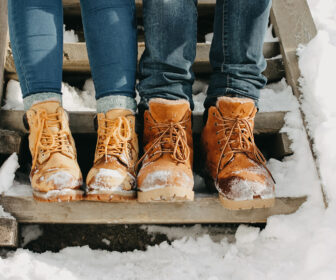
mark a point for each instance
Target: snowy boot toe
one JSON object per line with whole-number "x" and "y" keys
{"x": 55, "y": 174}
{"x": 233, "y": 161}
{"x": 166, "y": 172}
{"x": 112, "y": 177}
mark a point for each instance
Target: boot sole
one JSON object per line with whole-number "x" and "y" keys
{"x": 111, "y": 197}
{"x": 166, "y": 194}
{"x": 58, "y": 196}
{"x": 246, "y": 204}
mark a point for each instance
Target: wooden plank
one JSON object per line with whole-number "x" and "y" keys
{"x": 8, "y": 232}
{"x": 205, "y": 209}
{"x": 294, "y": 25}
{"x": 82, "y": 122}
{"x": 75, "y": 59}
{"x": 3, "y": 42}
{"x": 10, "y": 141}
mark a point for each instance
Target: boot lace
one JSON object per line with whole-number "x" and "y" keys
{"x": 113, "y": 139}
{"x": 48, "y": 141}
{"x": 238, "y": 136}
{"x": 171, "y": 138}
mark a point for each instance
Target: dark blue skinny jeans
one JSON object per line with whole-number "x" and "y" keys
{"x": 36, "y": 33}
{"x": 236, "y": 54}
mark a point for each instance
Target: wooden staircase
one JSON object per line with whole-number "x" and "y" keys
{"x": 206, "y": 207}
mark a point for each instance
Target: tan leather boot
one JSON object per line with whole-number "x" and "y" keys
{"x": 233, "y": 160}
{"x": 55, "y": 174}
{"x": 166, "y": 172}
{"x": 112, "y": 177}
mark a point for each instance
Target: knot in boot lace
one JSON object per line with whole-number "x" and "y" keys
{"x": 113, "y": 139}
{"x": 171, "y": 138}
{"x": 237, "y": 138}
{"x": 51, "y": 138}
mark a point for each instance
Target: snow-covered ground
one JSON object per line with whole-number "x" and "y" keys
{"x": 297, "y": 246}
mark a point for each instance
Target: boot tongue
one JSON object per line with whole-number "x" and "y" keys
{"x": 163, "y": 110}
{"x": 115, "y": 113}
{"x": 234, "y": 107}
{"x": 49, "y": 106}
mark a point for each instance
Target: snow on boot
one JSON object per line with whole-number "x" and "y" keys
{"x": 166, "y": 172}
{"x": 112, "y": 177}
{"x": 55, "y": 174}
{"x": 233, "y": 160}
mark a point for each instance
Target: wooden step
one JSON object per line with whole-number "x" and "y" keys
{"x": 204, "y": 209}
{"x": 10, "y": 141}
{"x": 8, "y": 232}
{"x": 83, "y": 122}
{"x": 75, "y": 59}
{"x": 270, "y": 140}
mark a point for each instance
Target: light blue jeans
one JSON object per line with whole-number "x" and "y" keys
{"x": 236, "y": 54}
{"x": 36, "y": 34}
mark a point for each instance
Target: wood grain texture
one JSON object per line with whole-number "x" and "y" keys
{"x": 83, "y": 122}
{"x": 294, "y": 25}
{"x": 10, "y": 141}
{"x": 205, "y": 209}
{"x": 8, "y": 232}
{"x": 75, "y": 59}
{"x": 3, "y": 42}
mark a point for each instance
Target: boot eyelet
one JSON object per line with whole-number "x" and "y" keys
{"x": 217, "y": 132}
{"x": 218, "y": 142}
{"x": 216, "y": 123}
{"x": 214, "y": 114}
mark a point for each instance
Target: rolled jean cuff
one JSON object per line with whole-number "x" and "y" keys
{"x": 231, "y": 87}
{"x": 108, "y": 103}
{"x": 32, "y": 99}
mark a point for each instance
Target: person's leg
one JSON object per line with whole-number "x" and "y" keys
{"x": 36, "y": 36}
{"x": 111, "y": 40}
{"x": 233, "y": 161}
{"x": 236, "y": 52}
{"x": 110, "y": 33}
{"x": 170, "y": 37}
{"x": 166, "y": 99}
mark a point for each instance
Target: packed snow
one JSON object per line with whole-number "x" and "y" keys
{"x": 69, "y": 36}
{"x": 30, "y": 233}
{"x": 7, "y": 172}
{"x": 297, "y": 246}
{"x": 73, "y": 99}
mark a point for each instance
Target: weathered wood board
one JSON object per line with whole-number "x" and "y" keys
{"x": 205, "y": 209}
{"x": 293, "y": 25}
{"x": 83, "y": 122}
{"x": 8, "y": 232}
{"x": 75, "y": 59}
{"x": 10, "y": 141}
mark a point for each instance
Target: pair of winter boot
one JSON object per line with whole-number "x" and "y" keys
{"x": 234, "y": 163}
